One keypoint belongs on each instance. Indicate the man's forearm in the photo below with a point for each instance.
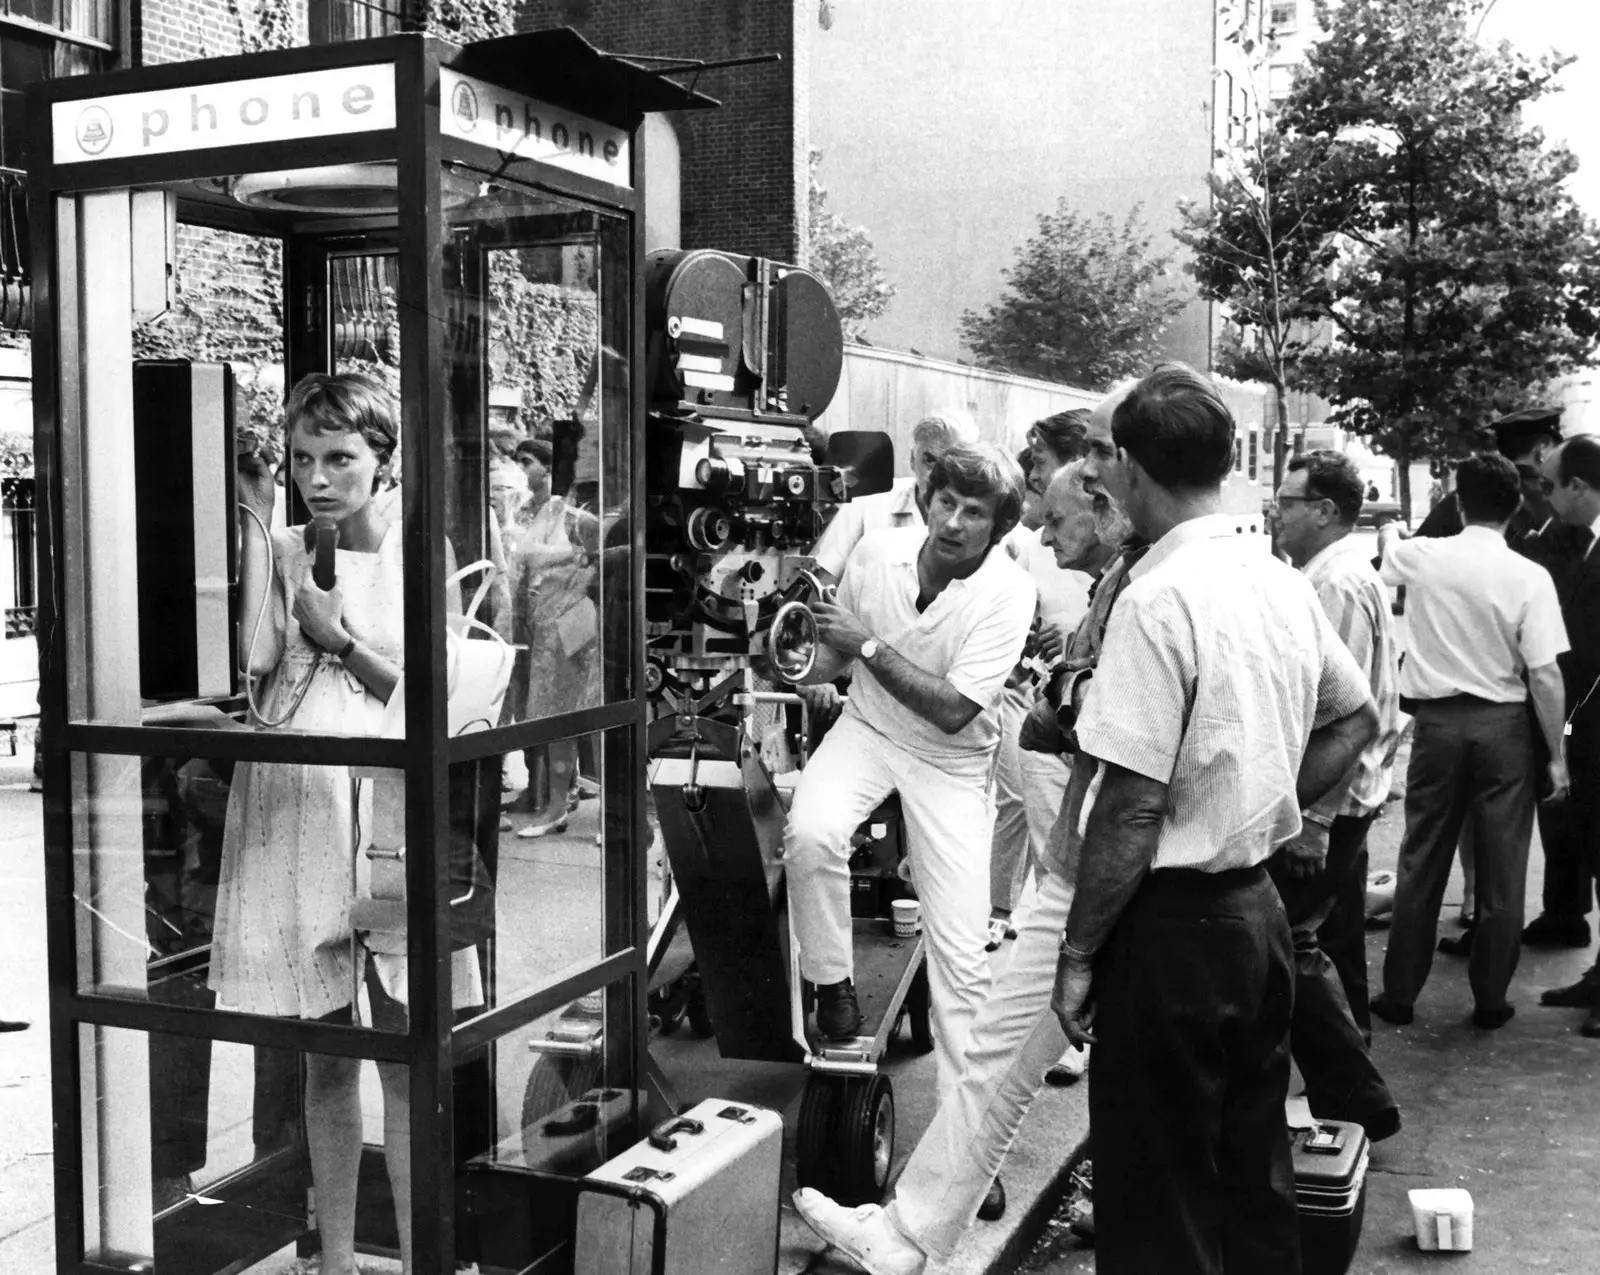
(1118, 848)
(929, 697)
(1331, 751)
(1549, 691)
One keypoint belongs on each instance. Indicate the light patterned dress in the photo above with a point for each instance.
(282, 939)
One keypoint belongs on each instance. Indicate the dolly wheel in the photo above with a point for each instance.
(815, 1151)
(553, 1082)
(918, 1012)
(864, 1151)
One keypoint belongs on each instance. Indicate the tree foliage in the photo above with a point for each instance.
(1086, 302)
(1263, 241)
(842, 256)
(1465, 278)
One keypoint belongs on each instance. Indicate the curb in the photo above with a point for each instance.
(1030, 1226)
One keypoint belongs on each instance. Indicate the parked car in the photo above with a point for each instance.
(1378, 513)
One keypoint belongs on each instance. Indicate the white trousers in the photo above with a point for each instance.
(1008, 855)
(1012, 1043)
(949, 822)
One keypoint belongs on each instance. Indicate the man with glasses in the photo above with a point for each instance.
(1481, 618)
(1321, 873)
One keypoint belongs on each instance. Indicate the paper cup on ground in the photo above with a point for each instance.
(1443, 1218)
(907, 917)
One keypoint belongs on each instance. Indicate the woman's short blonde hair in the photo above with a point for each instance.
(344, 403)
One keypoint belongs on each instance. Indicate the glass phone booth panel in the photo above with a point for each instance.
(346, 710)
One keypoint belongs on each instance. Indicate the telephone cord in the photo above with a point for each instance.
(255, 634)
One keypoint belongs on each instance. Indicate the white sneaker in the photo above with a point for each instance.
(865, 1234)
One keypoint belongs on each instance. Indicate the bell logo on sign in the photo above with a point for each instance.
(464, 102)
(94, 130)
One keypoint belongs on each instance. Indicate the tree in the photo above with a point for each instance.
(1262, 243)
(842, 256)
(1086, 303)
(1465, 278)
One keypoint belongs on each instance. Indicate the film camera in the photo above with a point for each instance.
(743, 355)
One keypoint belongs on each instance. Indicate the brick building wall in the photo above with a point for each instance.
(743, 165)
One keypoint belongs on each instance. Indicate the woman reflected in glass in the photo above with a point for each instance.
(322, 660)
(555, 618)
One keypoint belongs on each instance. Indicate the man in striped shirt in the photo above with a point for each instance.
(1223, 705)
(1321, 873)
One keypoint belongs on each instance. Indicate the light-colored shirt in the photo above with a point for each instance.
(1478, 614)
(896, 507)
(971, 635)
(1357, 605)
(1218, 663)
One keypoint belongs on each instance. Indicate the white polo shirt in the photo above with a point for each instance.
(1217, 665)
(971, 635)
(1477, 614)
(896, 507)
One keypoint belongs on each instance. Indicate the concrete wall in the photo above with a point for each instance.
(947, 128)
(891, 391)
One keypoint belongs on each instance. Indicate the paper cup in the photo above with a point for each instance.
(1443, 1218)
(907, 917)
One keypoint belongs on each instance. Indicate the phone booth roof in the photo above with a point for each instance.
(546, 96)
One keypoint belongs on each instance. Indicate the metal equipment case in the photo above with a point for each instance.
(699, 1196)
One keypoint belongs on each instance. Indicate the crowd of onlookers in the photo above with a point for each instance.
(1186, 740)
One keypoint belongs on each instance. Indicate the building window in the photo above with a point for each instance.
(333, 21)
(1238, 454)
(1280, 80)
(1253, 455)
(39, 40)
(1284, 16)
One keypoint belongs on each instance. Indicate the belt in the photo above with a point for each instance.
(1410, 704)
(1197, 879)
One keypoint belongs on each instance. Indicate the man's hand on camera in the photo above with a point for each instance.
(839, 628)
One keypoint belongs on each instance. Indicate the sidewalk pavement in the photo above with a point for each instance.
(1053, 1130)
(1510, 1115)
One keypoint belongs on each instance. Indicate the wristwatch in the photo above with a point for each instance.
(869, 648)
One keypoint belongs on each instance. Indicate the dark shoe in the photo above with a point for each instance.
(993, 1207)
(1547, 930)
(1382, 1007)
(1061, 1076)
(1591, 1025)
(1580, 995)
(1458, 944)
(1490, 1019)
(12, 1025)
(838, 1012)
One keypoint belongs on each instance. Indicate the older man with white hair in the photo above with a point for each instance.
(1014, 1040)
(906, 503)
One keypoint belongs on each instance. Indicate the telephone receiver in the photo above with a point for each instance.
(322, 538)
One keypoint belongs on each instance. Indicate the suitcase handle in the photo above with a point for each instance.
(661, 1136)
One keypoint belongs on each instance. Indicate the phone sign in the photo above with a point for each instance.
(275, 108)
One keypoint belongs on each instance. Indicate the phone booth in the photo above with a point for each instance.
(304, 972)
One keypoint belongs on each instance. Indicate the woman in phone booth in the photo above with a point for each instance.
(323, 660)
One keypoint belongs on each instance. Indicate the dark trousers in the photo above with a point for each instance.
(1343, 936)
(1570, 830)
(1470, 759)
(1328, 1047)
(1193, 994)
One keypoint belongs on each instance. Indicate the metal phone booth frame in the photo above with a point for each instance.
(448, 175)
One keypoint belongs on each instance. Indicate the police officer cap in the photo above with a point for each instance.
(1530, 422)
